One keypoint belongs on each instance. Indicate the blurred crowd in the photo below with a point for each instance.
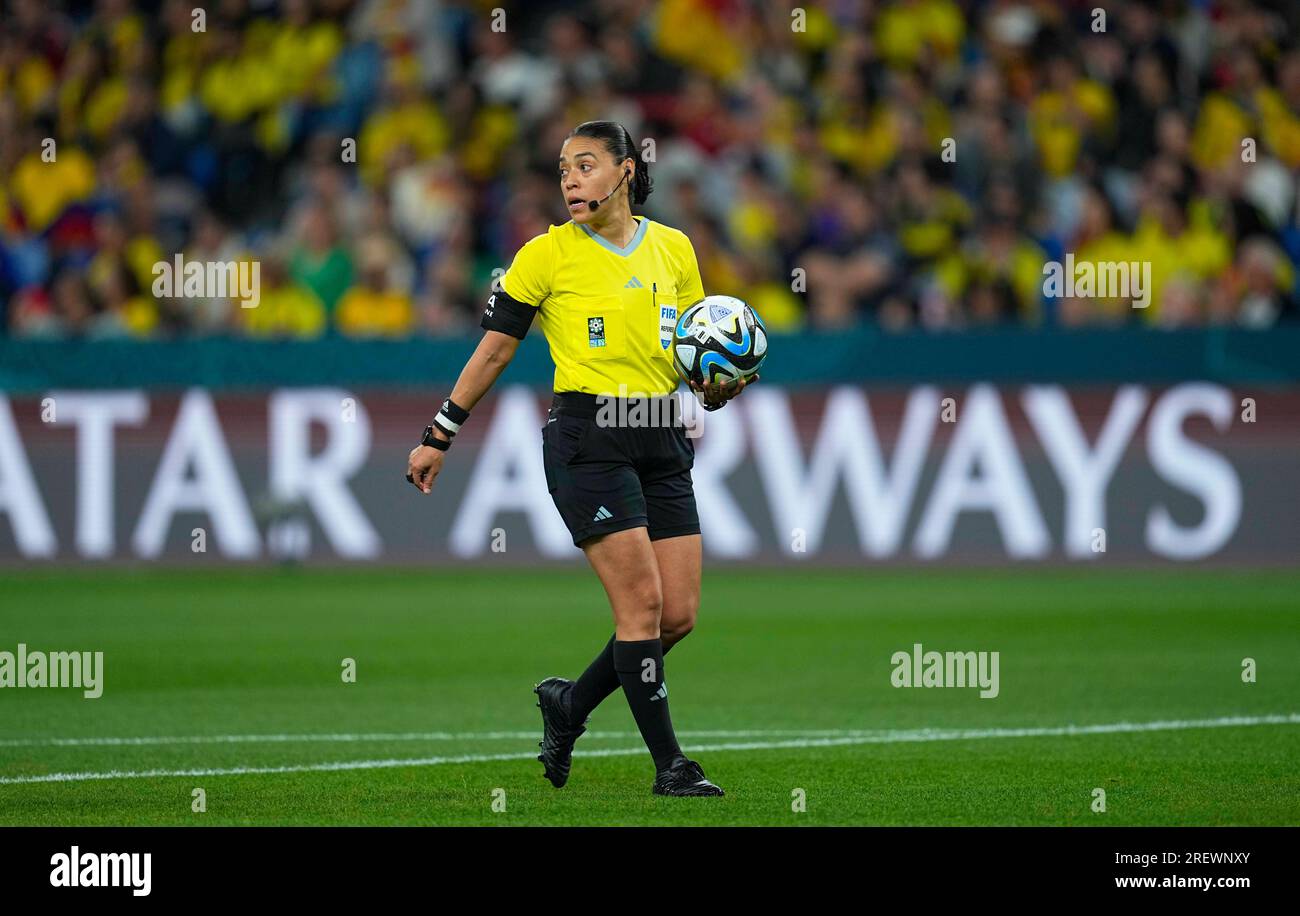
(912, 163)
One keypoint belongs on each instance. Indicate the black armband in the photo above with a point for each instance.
(507, 314)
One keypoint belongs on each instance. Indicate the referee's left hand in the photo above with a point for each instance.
(716, 395)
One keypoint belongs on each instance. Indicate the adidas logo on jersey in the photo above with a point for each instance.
(634, 283)
(601, 514)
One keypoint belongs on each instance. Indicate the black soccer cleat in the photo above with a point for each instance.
(684, 778)
(558, 731)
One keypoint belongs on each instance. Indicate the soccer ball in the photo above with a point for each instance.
(718, 339)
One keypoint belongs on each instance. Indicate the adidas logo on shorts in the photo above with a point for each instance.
(601, 514)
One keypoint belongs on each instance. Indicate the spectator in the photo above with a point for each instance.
(287, 309)
(374, 307)
(915, 159)
(319, 261)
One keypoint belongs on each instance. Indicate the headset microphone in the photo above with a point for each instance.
(594, 205)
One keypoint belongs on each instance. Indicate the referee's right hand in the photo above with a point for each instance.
(422, 466)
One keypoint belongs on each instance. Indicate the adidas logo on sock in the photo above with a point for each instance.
(601, 514)
(634, 283)
(661, 693)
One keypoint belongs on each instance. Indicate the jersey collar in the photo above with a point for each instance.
(606, 243)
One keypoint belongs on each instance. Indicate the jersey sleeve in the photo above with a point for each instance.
(525, 286)
(529, 277)
(690, 287)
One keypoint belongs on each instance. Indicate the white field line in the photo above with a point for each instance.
(346, 738)
(886, 737)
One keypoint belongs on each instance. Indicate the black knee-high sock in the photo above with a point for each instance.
(640, 667)
(597, 682)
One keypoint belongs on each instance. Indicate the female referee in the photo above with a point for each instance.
(608, 286)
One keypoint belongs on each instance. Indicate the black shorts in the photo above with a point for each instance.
(609, 476)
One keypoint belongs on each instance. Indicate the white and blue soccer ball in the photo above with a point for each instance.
(718, 339)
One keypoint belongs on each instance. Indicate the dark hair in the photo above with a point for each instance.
(619, 144)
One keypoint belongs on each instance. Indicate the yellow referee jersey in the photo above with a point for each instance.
(607, 312)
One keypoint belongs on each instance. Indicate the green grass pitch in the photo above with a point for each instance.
(784, 685)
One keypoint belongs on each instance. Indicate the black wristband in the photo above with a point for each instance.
(450, 417)
(433, 441)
